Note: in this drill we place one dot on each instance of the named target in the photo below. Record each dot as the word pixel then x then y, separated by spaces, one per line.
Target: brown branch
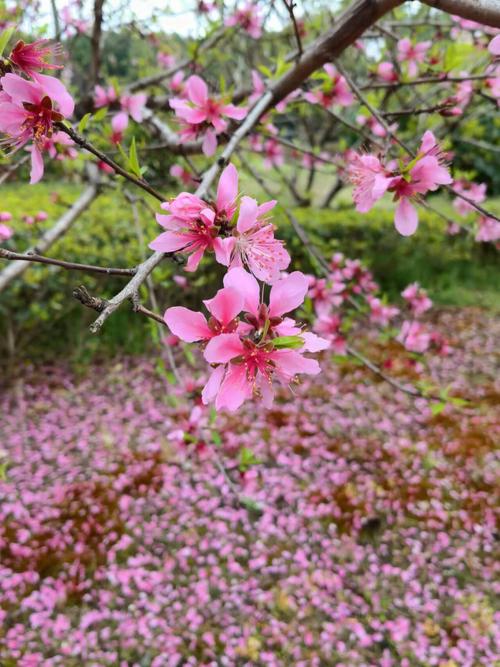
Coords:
pixel 70 266
pixel 95 42
pixel 290 6
pixel 486 12
pixel 83 143
pixel 423 81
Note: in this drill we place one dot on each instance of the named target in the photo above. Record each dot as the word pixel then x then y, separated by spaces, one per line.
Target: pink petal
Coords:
pixel 287 294
pixel 314 343
pixel 247 286
pixel 223 348
pixel 169 242
pixel 119 123
pixel 21 90
pixel 494 46
pixel 188 325
pixel 209 145
pixel 213 384
pixel 226 305
pixel 227 190
pixel 197 90
pixel 223 249
pixel 234 390
pixel 56 91
pixel 194 260
pixel 406 218
pixel 248 214
pixel 291 362
pixel 238 113
pixel 36 165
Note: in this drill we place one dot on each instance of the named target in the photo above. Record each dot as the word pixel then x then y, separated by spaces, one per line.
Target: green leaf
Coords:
pixel 289 342
pixel 437 408
pixel 216 439
pixel 100 114
pixel 82 125
pixel 4 39
pixel 133 160
pixel 247 459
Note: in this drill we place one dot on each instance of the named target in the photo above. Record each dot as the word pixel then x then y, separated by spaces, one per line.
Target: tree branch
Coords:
pixel 70 266
pixel 486 12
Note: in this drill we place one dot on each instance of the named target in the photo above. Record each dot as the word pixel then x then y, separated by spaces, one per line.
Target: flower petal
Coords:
pixel 287 294
pixel 248 214
pixel 247 286
pixel 227 190
pixel 169 242
pixel 406 218
pixel 234 390
pixel 188 325
pixel 197 90
pixel 223 348
pixel 226 305
pixel 212 386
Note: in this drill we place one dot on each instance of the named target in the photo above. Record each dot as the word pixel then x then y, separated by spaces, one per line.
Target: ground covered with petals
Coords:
pixel 350 526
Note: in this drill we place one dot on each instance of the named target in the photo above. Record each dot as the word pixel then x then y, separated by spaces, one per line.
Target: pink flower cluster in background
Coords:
pixel 372 179
pixel 202 115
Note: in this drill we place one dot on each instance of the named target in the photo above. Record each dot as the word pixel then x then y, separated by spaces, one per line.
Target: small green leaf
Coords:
pixel 216 439
pixel 82 125
pixel 100 114
pixel 289 342
pixel 437 408
pixel 133 160
pixel 4 39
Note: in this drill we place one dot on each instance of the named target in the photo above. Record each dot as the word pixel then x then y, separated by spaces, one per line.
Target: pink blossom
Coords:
pixel 328 326
pixel 28 111
pixel 335 90
pixel 380 313
pixel 60 146
pixel 494 46
pixel 203 114
pixel 134 105
pixel 375 126
pixel 248 18
pixel 412 54
pixel 417 299
pixel 474 191
pixel 414 337
pixel 165 59
pixel 31 58
pixel 119 124
pixel 103 97
pixel 488 229
pixel 274 155
pixel 193 226
pixel 370 179
pixel 248 360
pixel 5 216
pixel 177 83
pixel 5 232
pixel 41 216
pixel 185 176
pixel 253 243
pixel 426 174
pixel 386 72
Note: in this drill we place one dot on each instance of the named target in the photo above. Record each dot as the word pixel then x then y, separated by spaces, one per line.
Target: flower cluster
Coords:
pixel 195 226
pixel 408 182
pixel 202 115
pixel 30 107
pixel 248 352
pixel 248 18
pixel 334 90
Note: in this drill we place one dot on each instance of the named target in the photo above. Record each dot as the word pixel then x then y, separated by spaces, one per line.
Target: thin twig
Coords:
pixel 70 266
